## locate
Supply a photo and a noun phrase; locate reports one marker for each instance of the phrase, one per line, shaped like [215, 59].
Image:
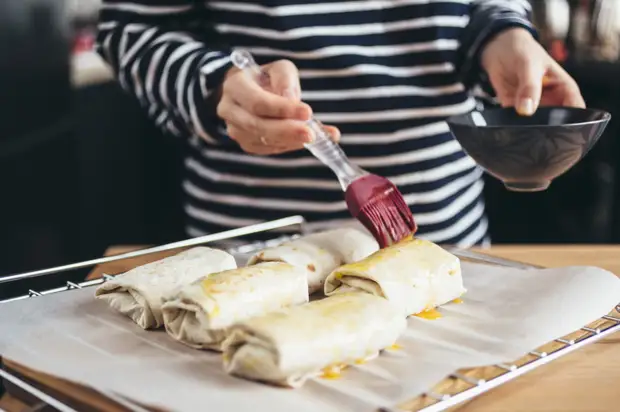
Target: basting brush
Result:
[372, 199]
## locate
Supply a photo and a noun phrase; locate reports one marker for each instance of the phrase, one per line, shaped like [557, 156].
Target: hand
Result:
[524, 76]
[267, 119]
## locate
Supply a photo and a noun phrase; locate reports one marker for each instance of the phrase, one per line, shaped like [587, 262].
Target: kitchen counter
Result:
[585, 380]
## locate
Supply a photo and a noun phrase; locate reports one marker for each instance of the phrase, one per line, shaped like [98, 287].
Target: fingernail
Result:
[291, 93]
[308, 137]
[526, 107]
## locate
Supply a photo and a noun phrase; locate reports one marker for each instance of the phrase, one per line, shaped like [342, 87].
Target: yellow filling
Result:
[380, 255]
[430, 314]
[333, 371]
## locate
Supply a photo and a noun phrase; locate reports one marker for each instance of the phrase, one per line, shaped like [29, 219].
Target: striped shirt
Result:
[386, 73]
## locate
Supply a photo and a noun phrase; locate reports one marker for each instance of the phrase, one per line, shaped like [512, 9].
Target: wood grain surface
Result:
[585, 380]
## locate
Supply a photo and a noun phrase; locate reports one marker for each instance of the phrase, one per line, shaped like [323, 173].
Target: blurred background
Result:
[81, 168]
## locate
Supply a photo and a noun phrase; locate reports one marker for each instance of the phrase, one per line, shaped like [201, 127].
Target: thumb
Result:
[530, 89]
[285, 79]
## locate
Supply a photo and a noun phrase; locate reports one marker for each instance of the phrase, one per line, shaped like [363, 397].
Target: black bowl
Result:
[527, 153]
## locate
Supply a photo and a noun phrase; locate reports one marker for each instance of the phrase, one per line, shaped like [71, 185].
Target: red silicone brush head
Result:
[381, 208]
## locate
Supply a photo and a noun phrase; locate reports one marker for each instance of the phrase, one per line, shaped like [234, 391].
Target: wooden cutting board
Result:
[566, 384]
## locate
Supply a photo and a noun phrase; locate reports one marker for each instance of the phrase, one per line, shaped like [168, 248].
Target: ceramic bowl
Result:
[528, 152]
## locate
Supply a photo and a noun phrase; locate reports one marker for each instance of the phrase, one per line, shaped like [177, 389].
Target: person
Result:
[382, 76]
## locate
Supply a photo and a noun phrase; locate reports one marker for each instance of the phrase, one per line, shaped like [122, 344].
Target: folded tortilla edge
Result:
[341, 278]
[239, 360]
[129, 301]
[182, 308]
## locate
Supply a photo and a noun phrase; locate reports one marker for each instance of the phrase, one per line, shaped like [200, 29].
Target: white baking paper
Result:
[505, 314]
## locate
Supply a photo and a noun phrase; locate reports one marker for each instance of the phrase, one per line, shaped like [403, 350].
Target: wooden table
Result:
[585, 380]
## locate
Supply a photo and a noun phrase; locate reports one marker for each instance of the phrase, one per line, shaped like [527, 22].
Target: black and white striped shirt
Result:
[386, 73]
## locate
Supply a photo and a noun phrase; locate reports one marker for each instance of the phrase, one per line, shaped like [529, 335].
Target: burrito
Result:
[200, 314]
[415, 275]
[138, 293]
[320, 253]
[320, 338]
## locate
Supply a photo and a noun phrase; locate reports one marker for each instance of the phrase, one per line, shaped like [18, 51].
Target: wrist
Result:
[506, 38]
[208, 91]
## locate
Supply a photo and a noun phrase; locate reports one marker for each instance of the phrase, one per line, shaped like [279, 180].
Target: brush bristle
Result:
[381, 208]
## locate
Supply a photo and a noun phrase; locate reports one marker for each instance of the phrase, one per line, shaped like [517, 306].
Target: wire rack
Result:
[457, 388]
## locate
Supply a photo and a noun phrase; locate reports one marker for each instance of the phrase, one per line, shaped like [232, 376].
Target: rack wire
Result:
[472, 385]
[459, 387]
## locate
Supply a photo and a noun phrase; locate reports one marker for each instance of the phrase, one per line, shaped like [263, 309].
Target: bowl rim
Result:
[606, 117]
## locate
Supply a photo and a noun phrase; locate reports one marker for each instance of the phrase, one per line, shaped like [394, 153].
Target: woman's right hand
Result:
[269, 120]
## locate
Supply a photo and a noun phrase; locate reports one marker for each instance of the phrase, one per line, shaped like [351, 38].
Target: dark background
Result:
[82, 169]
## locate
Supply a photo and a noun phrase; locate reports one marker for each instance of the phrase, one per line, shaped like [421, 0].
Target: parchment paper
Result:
[505, 314]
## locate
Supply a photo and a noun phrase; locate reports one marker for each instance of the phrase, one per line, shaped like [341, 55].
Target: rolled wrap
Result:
[287, 347]
[320, 253]
[138, 293]
[415, 275]
[199, 314]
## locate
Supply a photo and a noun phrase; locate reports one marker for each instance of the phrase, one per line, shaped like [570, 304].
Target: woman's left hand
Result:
[524, 76]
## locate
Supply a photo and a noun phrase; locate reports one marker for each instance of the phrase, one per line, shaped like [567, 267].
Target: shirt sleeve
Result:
[486, 19]
[158, 55]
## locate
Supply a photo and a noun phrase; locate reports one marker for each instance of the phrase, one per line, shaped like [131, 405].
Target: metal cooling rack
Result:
[431, 401]
[438, 401]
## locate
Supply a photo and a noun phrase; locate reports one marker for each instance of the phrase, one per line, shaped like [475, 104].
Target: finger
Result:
[252, 144]
[572, 94]
[505, 99]
[272, 140]
[530, 87]
[283, 133]
[263, 150]
[238, 135]
[283, 130]
[237, 118]
[567, 88]
[249, 95]
[333, 132]
[573, 99]
[225, 108]
[285, 79]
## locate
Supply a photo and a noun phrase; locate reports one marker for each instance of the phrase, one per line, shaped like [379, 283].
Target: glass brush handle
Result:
[323, 147]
